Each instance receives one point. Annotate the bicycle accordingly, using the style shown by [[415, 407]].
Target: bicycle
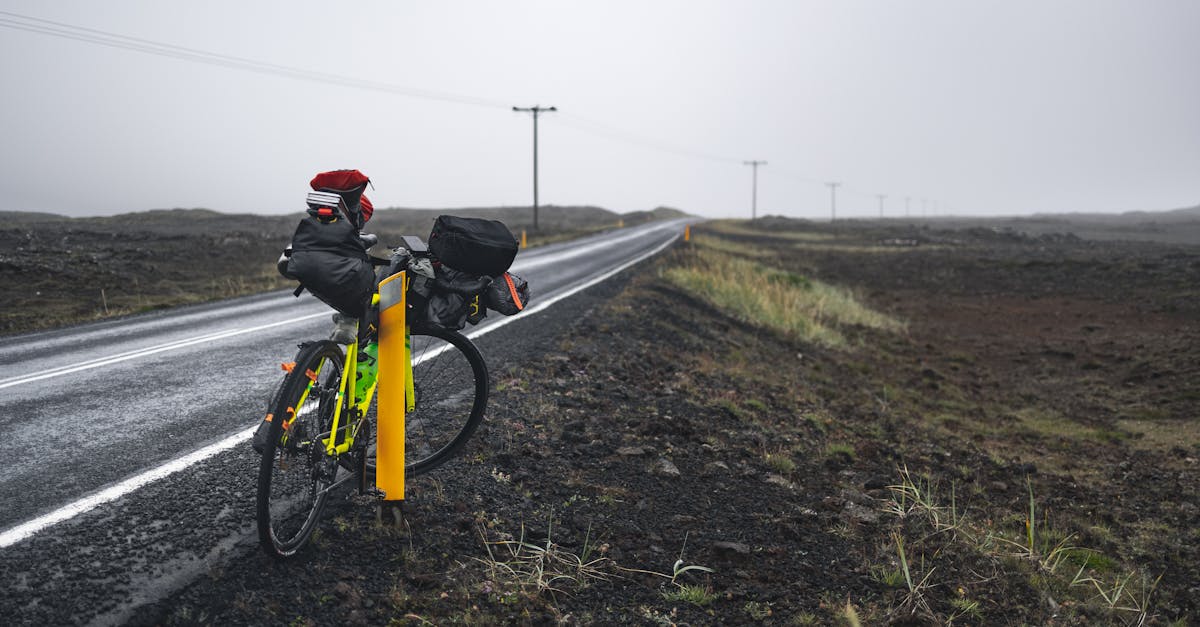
[[321, 416]]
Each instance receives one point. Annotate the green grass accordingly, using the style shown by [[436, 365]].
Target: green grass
[[781, 463], [840, 449], [732, 248], [691, 593], [787, 302], [1051, 424]]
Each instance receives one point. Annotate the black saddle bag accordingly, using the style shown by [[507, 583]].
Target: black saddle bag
[[329, 260]]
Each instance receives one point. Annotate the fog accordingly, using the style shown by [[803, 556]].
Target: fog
[[980, 108]]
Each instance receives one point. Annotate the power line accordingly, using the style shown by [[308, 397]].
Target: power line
[[115, 40], [16, 21], [603, 130], [157, 48]]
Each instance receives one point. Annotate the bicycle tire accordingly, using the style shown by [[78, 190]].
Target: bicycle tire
[[295, 473], [450, 379]]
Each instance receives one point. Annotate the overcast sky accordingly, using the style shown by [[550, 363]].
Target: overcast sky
[[982, 108]]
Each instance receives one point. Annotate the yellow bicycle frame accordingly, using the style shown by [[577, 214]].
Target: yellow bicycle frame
[[347, 387]]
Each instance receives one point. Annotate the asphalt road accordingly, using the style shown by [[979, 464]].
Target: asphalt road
[[127, 467]]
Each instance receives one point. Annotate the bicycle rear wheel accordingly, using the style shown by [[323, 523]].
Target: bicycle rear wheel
[[450, 379], [296, 475]]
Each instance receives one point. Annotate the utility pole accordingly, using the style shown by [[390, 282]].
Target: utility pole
[[881, 197], [754, 189], [535, 110], [833, 201]]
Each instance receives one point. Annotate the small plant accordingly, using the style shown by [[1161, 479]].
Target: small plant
[[890, 577], [840, 449], [850, 615], [916, 589], [1048, 548], [1118, 595], [501, 477], [914, 496], [757, 610], [731, 407], [805, 618], [690, 593], [781, 463], [965, 608]]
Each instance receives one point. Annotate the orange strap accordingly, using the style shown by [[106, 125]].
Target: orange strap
[[512, 289]]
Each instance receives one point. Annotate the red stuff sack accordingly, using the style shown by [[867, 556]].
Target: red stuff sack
[[349, 184]]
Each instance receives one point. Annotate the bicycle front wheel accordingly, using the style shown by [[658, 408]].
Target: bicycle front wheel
[[450, 380], [296, 475]]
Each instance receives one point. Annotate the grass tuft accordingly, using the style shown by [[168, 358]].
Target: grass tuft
[[543, 567], [695, 594]]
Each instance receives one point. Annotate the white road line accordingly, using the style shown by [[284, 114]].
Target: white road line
[[538, 262], [143, 352], [114, 492], [113, 359], [561, 295]]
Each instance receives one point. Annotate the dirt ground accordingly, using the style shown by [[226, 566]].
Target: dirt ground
[[56, 271], [1025, 453]]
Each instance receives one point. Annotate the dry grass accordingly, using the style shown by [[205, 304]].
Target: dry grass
[[790, 303]]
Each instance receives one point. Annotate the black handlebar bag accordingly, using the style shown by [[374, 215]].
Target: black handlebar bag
[[473, 245]]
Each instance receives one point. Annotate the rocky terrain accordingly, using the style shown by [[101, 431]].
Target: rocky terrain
[[1025, 449], [56, 270]]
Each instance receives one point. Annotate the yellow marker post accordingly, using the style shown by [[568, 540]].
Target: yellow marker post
[[393, 372], [687, 233], [523, 243]]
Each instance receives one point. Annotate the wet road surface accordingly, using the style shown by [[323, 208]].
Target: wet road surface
[[128, 472]]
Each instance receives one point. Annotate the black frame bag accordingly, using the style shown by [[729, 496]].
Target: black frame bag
[[473, 245]]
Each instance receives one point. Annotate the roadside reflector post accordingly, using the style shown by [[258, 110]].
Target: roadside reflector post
[[523, 242], [393, 372], [687, 232]]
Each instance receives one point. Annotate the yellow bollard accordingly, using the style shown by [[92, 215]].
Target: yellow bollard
[[393, 372], [687, 233], [523, 243]]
